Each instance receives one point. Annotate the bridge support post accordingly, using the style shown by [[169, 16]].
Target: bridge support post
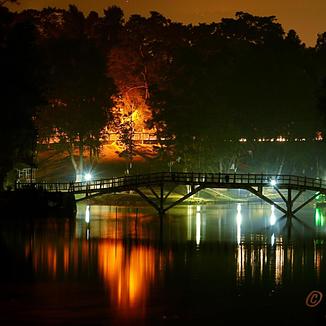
[[289, 208], [161, 212], [289, 211], [159, 200]]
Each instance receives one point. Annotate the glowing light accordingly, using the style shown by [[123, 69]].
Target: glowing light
[[198, 226], [88, 176], [241, 260], [319, 217], [189, 219], [128, 276], [272, 219], [87, 214], [318, 256], [273, 182], [281, 139], [239, 221], [279, 264], [130, 109], [273, 239], [319, 136]]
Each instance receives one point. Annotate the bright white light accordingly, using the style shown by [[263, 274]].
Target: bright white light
[[273, 182], [239, 221], [273, 239], [87, 214], [273, 217], [189, 222], [88, 176], [198, 225]]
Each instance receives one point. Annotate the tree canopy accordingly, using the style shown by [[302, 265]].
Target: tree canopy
[[199, 88], [21, 91]]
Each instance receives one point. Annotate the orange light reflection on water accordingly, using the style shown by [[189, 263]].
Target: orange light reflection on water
[[128, 275], [57, 258]]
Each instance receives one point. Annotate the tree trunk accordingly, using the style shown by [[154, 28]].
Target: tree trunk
[[74, 164], [81, 161], [78, 167]]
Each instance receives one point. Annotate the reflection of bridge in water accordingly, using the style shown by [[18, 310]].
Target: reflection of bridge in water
[[161, 184]]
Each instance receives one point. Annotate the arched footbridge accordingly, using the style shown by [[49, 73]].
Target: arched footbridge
[[161, 184]]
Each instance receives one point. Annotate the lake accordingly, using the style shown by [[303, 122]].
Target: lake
[[209, 265]]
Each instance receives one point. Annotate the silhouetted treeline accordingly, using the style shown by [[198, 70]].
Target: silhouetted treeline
[[242, 77]]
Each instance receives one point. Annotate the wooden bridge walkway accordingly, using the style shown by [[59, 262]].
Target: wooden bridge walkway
[[162, 184]]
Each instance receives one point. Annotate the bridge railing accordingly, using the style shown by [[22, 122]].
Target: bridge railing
[[179, 178]]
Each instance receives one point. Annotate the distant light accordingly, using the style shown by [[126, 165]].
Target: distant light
[[273, 182], [281, 139], [88, 176], [319, 136]]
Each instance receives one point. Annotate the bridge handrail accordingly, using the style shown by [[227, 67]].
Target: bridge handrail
[[179, 177]]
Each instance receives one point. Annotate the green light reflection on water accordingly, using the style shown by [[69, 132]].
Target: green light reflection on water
[[319, 217]]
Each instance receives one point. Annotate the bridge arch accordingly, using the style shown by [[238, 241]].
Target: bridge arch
[[161, 184]]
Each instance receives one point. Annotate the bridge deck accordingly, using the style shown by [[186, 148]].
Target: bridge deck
[[205, 180]]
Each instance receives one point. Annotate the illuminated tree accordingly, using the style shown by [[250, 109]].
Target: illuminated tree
[[137, 62], [124, 125]]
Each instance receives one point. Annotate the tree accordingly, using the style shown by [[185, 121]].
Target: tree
[[253, 29], [125, 127], [138, 61], [241, 78], [3, 2], [80, 97], [20, 91]]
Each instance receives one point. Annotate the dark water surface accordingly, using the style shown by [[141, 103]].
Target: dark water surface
[[207, 265]]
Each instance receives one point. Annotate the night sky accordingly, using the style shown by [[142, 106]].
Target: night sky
[[306, 17]]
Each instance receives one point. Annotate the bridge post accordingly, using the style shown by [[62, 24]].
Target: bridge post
[[161, 211], [289, 207], [260, 189]]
